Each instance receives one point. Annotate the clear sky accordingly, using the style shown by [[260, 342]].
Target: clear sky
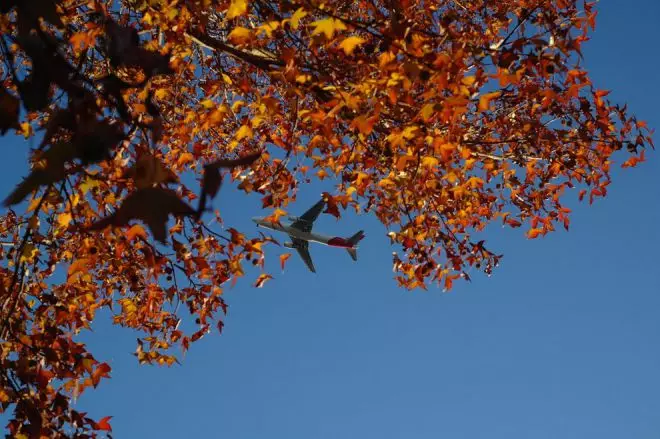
[[563, 341]]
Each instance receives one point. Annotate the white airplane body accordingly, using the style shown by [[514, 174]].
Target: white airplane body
[[300, 231]]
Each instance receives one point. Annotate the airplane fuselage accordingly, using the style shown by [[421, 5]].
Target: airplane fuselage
[[333, 241]]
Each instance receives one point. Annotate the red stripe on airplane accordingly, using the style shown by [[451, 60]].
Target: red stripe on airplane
[[339, 242]]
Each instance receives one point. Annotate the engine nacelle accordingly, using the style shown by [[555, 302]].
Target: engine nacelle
[[289, 245], [293, 218]]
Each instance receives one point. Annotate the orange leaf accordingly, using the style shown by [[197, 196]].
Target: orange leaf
[[534, 233], [240, 35], [261, 280], [77, 266], [136, 230], [283, 258], [102, 371], [237, 8], [103, 424], [484, 100], [185, 158]]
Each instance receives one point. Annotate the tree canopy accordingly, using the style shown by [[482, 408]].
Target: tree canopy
[[438, 117]]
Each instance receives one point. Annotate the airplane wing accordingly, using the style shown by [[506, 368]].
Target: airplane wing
[[303, 250], [305, 222]]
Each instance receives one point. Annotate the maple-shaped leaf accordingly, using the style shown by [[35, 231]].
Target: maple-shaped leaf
[[149, 170], [212, 179], [9, 109], [240, 35], [350, 43], [152, 205], [43, 174], [328, 27], [124, 50]]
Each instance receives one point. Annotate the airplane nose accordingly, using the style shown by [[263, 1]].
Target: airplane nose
[[255, 219]]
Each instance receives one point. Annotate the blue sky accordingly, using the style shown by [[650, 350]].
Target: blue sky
[[563, 341]]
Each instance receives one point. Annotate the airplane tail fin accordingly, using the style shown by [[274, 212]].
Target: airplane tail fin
[[353, 240]]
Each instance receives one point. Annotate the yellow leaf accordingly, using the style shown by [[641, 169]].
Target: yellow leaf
[[88, 184], [207, 103], [385, 182], [296, 17], [350, 43], [240, 35], [268, 28], [29, 253], [77, 266], [236, 106], [243, 132], [185, 158], [26, 129], [484, 101], [410, 132], [226, 79], [327, 27], [161, 93], [430, 162], [237, 8], [64, 219], [427, 112]]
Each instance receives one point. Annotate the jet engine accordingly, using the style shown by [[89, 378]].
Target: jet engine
[[293, 218], [289, 245]]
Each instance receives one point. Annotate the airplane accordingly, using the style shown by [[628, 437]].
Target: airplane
[[300, 232]]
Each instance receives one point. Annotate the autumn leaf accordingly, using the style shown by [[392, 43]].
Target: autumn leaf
[[484, 100], [151, 205], [64, 219], [283, 258], [349, 44], [101, 371], [261, 280], [149, 170], [296, 17], [534, 233], [240, 35], [328, 27], [103, 424], [237, 8], [245, 131], [135, 231], [77, 266]]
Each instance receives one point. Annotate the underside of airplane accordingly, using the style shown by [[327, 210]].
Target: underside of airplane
[[300, 232]]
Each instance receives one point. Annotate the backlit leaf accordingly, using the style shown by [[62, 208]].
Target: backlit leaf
[[349, 44], [237, 8], [328, 27]]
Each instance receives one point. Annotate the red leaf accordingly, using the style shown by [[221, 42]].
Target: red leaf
[[102, 371], [103, 424]]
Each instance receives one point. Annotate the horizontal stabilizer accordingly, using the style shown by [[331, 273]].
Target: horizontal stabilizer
[[353, 240]]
